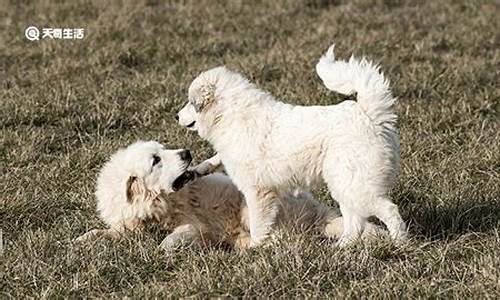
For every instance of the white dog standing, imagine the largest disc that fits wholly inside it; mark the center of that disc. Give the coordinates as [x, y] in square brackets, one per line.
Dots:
[268, 146]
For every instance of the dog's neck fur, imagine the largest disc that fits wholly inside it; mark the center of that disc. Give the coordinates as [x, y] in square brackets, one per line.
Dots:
[253, 107]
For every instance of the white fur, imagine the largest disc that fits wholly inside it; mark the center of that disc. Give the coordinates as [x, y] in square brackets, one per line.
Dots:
[268, 146]
[135, 161]
[131, 193]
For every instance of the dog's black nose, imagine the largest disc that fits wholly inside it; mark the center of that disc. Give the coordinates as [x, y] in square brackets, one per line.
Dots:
[185, 155]
[177, 117]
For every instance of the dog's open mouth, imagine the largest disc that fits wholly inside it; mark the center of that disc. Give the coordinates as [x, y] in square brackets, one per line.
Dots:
[190, 124]
[182, 180]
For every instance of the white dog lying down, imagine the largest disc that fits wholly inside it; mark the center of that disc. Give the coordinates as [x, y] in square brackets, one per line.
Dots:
[146, 183]
[268, 146]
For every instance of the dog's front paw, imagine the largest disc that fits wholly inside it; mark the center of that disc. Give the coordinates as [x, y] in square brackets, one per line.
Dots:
[209, 166]
[167, 245]
[170, 246]
[89, 236]
[201, 170]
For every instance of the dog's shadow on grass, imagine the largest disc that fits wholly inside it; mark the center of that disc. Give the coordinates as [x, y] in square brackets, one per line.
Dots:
[448, 220]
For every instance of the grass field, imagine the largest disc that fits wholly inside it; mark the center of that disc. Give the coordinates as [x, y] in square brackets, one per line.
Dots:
[66, 105]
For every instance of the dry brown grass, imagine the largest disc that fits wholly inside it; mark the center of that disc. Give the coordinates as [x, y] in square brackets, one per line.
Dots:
[66, 105]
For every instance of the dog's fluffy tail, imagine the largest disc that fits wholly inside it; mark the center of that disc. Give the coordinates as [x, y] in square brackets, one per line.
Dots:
[361, 77]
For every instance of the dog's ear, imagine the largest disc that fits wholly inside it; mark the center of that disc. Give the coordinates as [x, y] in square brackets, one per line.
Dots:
[134, 189]
[207, 96]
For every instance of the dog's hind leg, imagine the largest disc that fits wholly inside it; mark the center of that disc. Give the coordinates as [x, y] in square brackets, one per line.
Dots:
[388, 213]
[360, 184]
[346, 177]
[334, 228]
[262, 212]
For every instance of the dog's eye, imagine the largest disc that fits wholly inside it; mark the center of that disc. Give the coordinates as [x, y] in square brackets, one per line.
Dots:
[156, 159]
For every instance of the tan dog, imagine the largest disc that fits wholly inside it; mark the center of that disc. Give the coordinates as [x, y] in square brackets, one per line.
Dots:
[146, 183]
